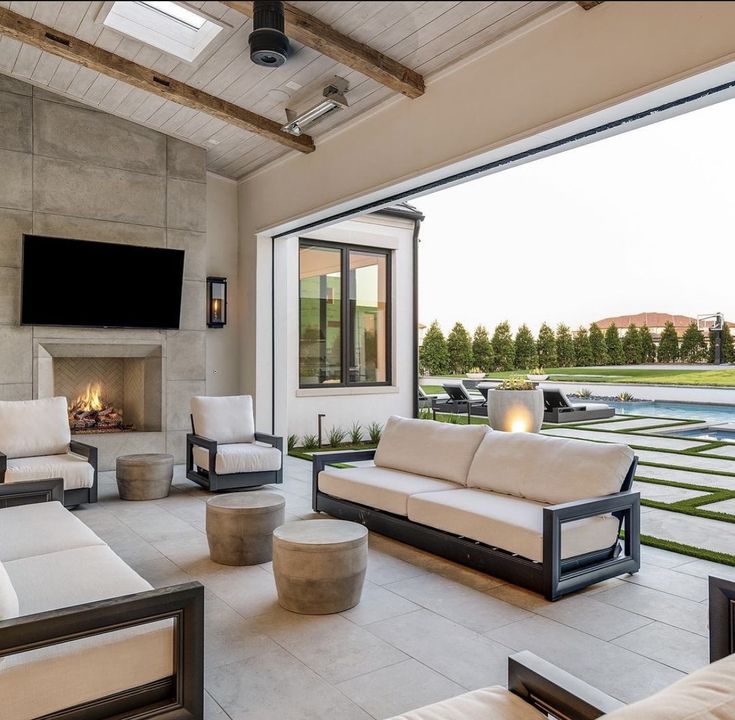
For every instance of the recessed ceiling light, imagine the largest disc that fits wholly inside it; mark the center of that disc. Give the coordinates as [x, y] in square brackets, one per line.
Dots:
[291, 85]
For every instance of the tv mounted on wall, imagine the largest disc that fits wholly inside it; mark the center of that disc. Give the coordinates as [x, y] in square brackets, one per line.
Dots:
[96, 284]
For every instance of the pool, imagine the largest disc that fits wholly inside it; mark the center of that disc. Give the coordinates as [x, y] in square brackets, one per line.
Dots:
[711, 434]
[688, 411]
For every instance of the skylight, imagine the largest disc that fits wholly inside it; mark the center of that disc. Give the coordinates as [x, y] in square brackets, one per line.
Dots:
[171, 27]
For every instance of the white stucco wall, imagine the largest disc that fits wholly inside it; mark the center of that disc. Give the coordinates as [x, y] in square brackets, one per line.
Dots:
[223, 345]
[297, 409]
[559, 70]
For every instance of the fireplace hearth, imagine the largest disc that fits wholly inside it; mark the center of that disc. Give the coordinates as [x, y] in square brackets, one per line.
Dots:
[91, 412]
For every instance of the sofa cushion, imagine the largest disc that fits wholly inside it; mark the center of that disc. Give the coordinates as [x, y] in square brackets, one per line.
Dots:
[226, 419]
[240, 457]
[378, 487]
[507, 522]
[493, 703]
[75, 470]
[9, 607]
[41, 528]
[34, 427]
[548, 469]
[706, 694]
[87, 669]
[424, 447]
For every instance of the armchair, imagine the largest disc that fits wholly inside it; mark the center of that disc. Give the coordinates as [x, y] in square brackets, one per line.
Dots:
[224, 452]
[36, 444]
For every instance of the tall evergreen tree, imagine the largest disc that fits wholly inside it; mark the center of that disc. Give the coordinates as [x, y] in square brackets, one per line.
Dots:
[546, 347]
[582, 349]
[632, 346]
[726, 346]
[503, 347]
[668, 344]
[598, 349]
[614, 346]
[459, 346]
[648, 347]
[693, 346]
[564, 346]
[526, 355]
[482, 349]
[433, 353]
[728, 352]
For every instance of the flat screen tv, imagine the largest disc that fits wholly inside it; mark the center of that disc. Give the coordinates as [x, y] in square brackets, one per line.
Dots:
[96, 284]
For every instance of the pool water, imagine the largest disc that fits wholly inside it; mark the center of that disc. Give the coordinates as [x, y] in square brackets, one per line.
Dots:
[681, 410]
[709, 434]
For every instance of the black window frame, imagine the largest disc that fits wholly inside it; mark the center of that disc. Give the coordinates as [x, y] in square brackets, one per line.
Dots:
[347, 318]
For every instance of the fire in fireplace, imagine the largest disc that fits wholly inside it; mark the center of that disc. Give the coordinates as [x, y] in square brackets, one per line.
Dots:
[90, 412]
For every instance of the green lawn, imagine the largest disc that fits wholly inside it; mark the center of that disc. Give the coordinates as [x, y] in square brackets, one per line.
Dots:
[666, 376]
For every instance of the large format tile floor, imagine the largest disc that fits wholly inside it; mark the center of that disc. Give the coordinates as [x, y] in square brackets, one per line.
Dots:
[426, 629]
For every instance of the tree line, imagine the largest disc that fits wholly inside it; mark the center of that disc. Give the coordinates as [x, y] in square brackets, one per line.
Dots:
[459, 351]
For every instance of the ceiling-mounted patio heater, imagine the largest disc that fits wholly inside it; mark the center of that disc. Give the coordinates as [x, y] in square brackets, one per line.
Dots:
[269, 45]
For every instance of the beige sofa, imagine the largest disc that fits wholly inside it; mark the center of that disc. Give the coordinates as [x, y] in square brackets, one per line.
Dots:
[59, 581]
[543, 512]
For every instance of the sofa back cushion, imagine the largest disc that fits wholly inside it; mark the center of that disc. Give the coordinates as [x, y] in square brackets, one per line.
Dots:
[9, 607]
[31, 428]
[706, 694]
[226, 419]
[425, 447]
[548, 469]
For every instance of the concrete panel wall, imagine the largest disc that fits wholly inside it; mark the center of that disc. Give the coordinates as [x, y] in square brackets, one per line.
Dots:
[568, 65]
[70, 171]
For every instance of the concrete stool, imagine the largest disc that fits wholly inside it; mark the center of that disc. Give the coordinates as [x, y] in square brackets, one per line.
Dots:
[319, 565]
[144, 477]
[240, 526]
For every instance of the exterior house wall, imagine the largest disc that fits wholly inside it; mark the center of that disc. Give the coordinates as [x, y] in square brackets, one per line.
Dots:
[297, 409]
[555, 71]
[71, 171]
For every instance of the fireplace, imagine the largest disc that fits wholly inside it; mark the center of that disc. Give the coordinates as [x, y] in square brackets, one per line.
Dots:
[109, 388]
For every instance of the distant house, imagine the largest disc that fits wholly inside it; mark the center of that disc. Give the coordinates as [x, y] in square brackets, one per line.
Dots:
[654, 320]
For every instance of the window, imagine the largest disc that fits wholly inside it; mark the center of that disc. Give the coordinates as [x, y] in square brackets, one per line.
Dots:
[344, 328]
[168, 26]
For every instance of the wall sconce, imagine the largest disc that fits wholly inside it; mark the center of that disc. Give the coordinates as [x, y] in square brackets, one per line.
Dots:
[216, 302]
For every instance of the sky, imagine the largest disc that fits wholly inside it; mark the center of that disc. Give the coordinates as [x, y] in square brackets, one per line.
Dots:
[640, 222]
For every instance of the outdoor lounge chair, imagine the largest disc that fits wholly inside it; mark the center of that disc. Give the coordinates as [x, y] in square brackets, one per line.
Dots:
[559, 409]
[426, 400]
[459, 400]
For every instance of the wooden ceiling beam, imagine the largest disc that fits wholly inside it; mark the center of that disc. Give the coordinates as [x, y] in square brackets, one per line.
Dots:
[310, 31]
[70, 48]
[589, 4]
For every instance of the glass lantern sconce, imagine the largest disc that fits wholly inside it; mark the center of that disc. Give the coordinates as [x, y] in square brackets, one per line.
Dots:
[216, 302]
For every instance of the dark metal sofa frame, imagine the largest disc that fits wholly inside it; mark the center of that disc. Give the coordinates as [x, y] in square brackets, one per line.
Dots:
[216, 482]
[77, 496]
[553, 577]
[552, 690]
[178, 697]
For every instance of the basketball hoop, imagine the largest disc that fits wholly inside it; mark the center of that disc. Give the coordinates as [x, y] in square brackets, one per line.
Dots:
[711, 321]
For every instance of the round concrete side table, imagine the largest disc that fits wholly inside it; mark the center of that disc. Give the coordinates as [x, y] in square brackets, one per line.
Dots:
[240, 526]
[319, 565]
[144, 477]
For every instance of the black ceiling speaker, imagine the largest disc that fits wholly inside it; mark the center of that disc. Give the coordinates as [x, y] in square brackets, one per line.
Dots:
[268, 43]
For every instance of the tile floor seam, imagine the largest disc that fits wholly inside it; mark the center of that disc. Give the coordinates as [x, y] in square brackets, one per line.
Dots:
[218, 705]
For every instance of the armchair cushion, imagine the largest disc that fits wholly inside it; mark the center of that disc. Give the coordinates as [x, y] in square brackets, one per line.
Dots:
[34, 427]
[492, 703]
[9, 607]
[224, 419]
[706, 694]
[548, 469]
[240, 458]
[424, 447]
[75, 471]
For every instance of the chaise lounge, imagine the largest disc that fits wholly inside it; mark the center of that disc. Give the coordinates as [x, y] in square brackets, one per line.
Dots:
[541, 512]
[559, 409]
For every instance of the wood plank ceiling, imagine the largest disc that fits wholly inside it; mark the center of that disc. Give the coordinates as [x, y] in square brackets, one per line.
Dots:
[424, 36]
